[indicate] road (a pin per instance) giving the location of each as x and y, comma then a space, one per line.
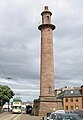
23, 116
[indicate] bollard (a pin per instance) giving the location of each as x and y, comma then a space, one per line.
42, 118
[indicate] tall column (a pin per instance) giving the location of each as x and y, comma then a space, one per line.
47, 59
47, 101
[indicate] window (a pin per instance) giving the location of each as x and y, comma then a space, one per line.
77, 107
49, 90
47, 17
71, 91
71, 99
53, 116
66, 108
71, 107
66, 100
77, 92
76, 99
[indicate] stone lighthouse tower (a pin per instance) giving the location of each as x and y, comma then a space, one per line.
47, 101
47, 62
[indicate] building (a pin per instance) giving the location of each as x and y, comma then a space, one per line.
71, 98
47, 101
82, 95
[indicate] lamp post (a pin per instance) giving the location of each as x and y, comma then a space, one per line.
8, 104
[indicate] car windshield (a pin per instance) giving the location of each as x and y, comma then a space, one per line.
72, 117
64, 117
53, 116
17, 107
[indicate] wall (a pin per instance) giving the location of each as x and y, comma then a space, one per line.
73, 103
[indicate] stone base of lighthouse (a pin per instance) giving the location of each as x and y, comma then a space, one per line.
45, 105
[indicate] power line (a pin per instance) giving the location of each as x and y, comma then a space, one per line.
5, 75
3, 71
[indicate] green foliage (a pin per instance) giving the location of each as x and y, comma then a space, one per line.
5, 94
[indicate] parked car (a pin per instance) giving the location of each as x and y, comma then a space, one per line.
64, 116
79, 112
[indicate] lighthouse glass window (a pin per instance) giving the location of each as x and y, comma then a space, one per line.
48, 19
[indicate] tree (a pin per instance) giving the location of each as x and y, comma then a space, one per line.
5, 94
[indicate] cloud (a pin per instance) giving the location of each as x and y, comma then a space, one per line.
20, 42
6, 81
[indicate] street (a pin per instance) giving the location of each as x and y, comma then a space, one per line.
23, 116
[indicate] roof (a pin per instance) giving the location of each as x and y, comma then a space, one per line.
16, 99
70, 93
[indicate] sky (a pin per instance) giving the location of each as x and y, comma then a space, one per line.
20, 44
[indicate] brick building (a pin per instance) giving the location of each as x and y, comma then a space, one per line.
82, 95
71, 98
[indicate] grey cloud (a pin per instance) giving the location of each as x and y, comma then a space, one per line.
20, 42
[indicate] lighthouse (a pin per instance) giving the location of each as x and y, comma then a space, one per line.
47, 59
47, 102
